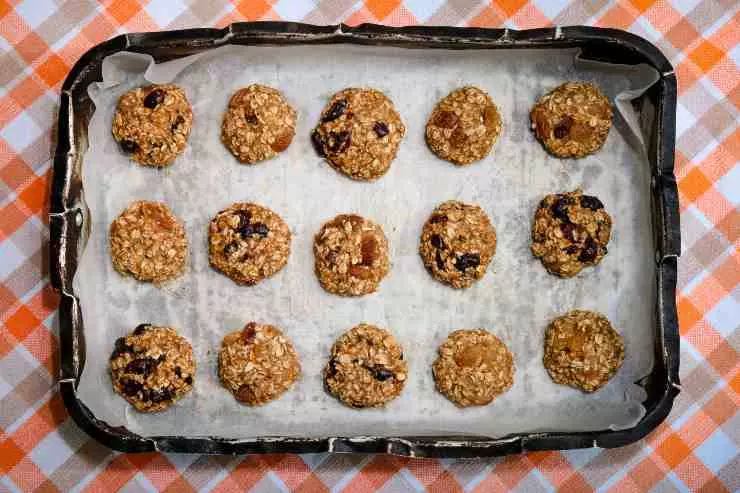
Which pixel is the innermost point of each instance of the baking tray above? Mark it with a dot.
(69, 225)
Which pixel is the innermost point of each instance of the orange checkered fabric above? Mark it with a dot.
(695, 449)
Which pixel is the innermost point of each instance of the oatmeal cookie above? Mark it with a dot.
(258, 124)
(464, 126)
(572, 120)
(457, 243)
(473, 367)
(248, 243)
(153, 124)
(582, 350)
(152, 367)
(570, 231)
(257, 364)
(366, 368)
(359, 133)
(351, 255)
(148, 242)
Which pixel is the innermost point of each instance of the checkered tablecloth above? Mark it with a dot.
(695, 449)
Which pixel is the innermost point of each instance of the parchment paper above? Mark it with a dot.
(516, 299)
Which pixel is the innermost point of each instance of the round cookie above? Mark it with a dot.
(148, 242)
(582, 350)
(153, 123)
(572, 120)
(359, 133)
(570, 231)
(248, 243)
(473, 367)
(351, 255)
(258, 124)
(257, 364)
(464, 126)
(366, 368)
(152, 367)
(457, 243)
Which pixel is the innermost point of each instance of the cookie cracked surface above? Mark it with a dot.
(570, 231)
(351, 255)
(359, 133)
(457, 243)
(152, 124)
(148, 242)
(463, 126)
(582, 350)
(366, 368)
(473, 367)
(572, 120)
(258, 124)
(258, 364)
(248, 243)
(152, 367)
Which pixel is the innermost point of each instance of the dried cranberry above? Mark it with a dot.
(178, 121)
(154, 99)
(141, 328)
(560, 209)
(141, 366)
(339, 141)
(591, 202)
(568, 230)
(437, 241)
(438, 218)
(440, 262)
(467, 260)
(590, 251)
(130, 387)
(381, 129)
(129, 146)
(380, 374)
(336, 110)
(318, 143)
(562, 130)
(249, 332)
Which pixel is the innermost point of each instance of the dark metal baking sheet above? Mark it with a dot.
(69, 225)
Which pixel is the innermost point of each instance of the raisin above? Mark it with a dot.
(154, 99)
(590, 251)
(445, 119)
(178, 121)
(568, 230)
(381, 129)
(251, 118)
(331, 368)
(244, 217)
(440, 262)
(543, 203)
(336, 110)
(231, 248)
(437, 241)
(255, 229)
(467, 260)
(161, 395)
(130, 387)
(178, 371)
(141, 366)
(438, 218)
(189, 380)
(591, 202)
(571, 249)
(318, 143)
(560, 209)
(249, 332)
(380, 374)
(563, 128)
(339, 141)
(129, 146)
(141, 328)
(120, 348)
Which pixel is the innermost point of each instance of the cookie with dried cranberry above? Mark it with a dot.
(457, 243)
(570, 231)
(351, 255)
(248, 243)
(152, 367)
(257, 364)
(473, 367)
(366, 368)
(582, 350)
(572, 120)
(258, 124)
(464, 126)
(152, 124)
(359, 133)
(147, 241)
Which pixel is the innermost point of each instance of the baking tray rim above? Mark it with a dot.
(66, 224)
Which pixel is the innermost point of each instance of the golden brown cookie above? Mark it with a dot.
(152, 367)
(152, 124)
(248, 243)
(572, 120)
(457, 243)
(582, 350)
(366, 368)
(351, 255)
(148, 242)
(257, 364)
(473, 367)
(359, 133)
(570, 231)
(464, 126)
(258, 124)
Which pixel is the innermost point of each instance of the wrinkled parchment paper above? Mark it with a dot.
(515, 300)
